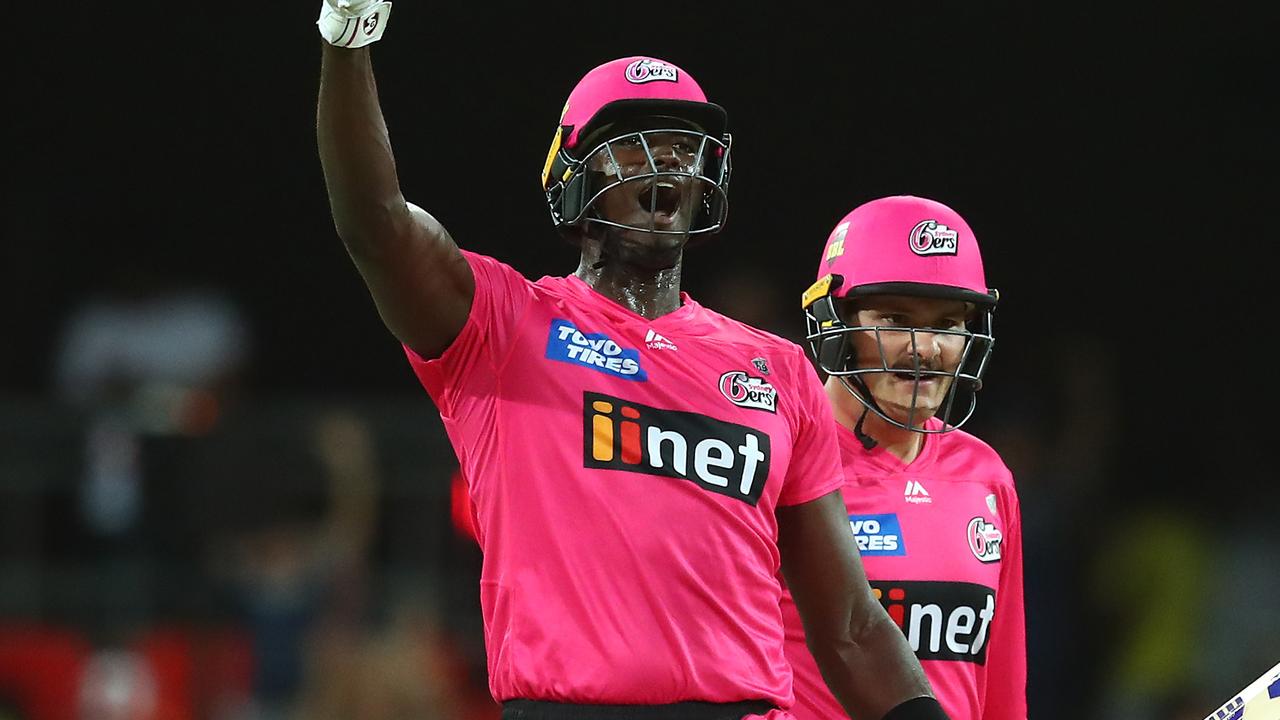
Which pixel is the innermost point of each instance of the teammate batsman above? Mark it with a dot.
(640, 467)
(900, 321)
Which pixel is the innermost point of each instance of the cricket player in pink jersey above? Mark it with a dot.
(640, 467)
(900, 321)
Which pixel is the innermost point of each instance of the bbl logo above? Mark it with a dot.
(728, 459)
(835, 247)
(930, 237)
(942, 620)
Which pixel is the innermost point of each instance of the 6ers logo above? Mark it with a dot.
(749, 392)
(930, 237)
(724, 458)
(984, 540)
(648, 70)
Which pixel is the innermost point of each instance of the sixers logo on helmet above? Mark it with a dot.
(749, 392)
(930, 237)
(647, 70)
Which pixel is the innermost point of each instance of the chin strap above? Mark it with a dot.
(605, 236)
(868, 442)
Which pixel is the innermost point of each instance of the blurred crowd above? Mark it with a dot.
(179, 547)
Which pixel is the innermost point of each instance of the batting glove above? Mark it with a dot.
(353, 23)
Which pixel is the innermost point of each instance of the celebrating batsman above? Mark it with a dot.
(640, 466)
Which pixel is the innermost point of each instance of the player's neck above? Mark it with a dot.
(903, 444)
(645, 291)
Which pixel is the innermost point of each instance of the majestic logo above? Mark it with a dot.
(984, 540)
(930, 237)
(835, 246)
(649, 70)
(878, 535)
(593, 350)
(915, 493)
(654, 341)
(746, 391)
(942, 620)
(724, 458)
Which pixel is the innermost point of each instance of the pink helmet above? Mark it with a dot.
(901, 245)
(630, 89)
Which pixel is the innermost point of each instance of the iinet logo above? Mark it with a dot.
(915, 493)
(942, 620)
(721, 457)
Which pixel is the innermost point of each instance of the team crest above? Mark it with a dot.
(761, 365)
(930, 237)
(747, 391)
(984, 540)
(646, 70)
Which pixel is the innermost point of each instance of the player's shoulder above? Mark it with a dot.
(497, 270)
(732, 330)
(487, 264)
(980, 452)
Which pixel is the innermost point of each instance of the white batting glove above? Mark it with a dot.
(353, 23)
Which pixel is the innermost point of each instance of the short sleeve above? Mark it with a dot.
(469, 365)
(815, 468)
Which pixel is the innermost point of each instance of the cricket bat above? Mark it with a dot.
(1260, 700)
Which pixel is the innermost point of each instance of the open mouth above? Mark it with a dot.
(662, 197)
(923, 376)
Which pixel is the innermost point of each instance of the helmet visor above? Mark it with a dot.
(670, 181)
(901, 365)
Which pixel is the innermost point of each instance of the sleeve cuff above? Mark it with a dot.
(921, 708)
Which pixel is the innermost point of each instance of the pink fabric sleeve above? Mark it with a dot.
(815, 468)
(1007, 657)
(469, 365)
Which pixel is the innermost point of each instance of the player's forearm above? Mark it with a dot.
(355, 152)
(871, 670)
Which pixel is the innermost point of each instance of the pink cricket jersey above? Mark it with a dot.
(941, 540)
(624, 474)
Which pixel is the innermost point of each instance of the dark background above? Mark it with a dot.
(1117, 164)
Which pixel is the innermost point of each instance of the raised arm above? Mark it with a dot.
(420, 282)
(864, 657)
